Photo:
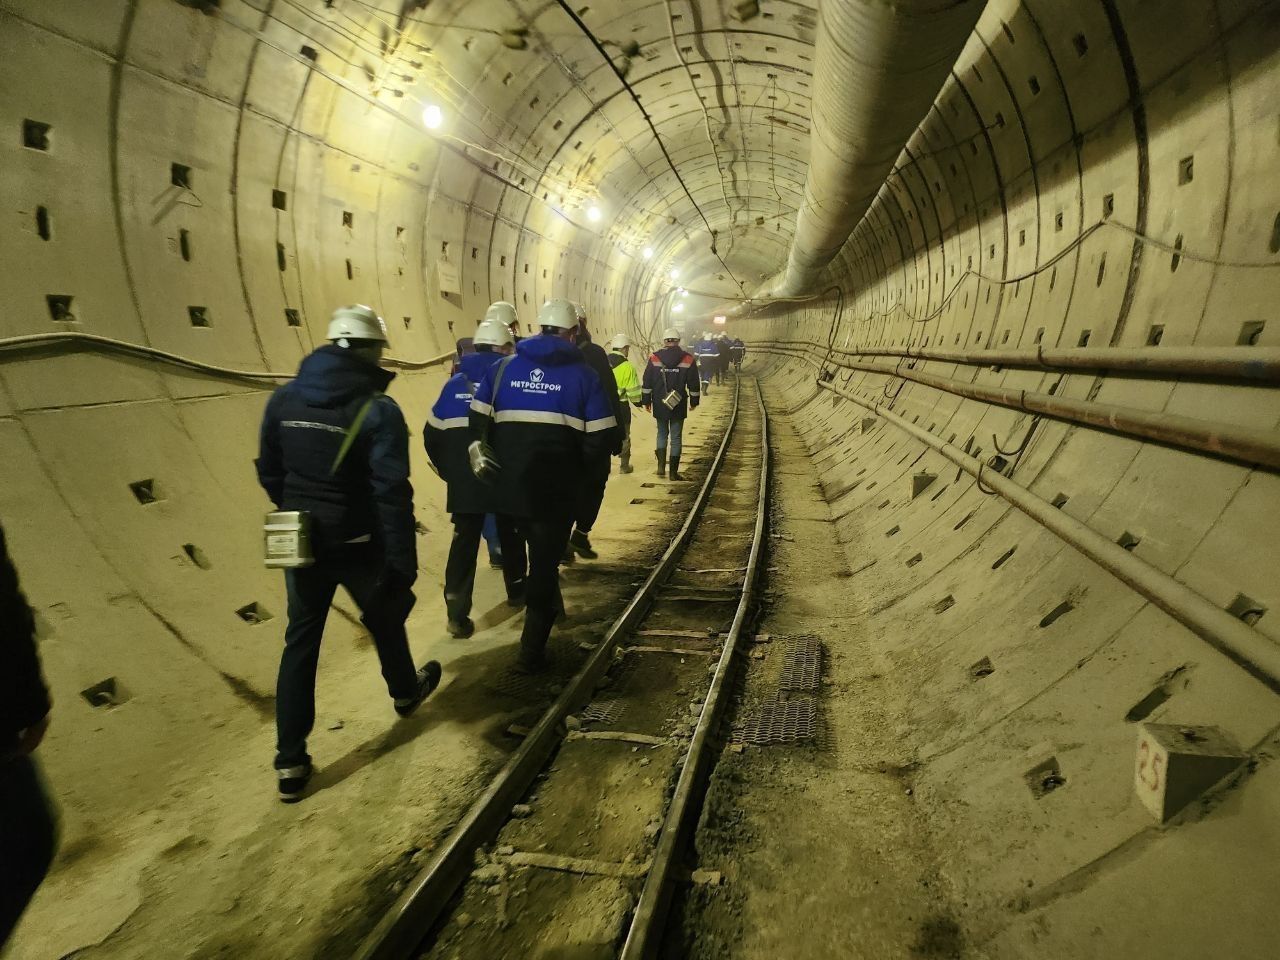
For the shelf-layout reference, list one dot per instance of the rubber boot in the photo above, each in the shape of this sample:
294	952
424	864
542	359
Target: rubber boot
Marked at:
662	462
675	469
533	641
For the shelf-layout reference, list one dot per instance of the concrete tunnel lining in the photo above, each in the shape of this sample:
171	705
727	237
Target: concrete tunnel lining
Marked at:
215	181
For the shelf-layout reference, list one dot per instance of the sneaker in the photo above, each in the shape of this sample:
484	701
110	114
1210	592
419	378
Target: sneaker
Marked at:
580	543
292	782
428	680
461	629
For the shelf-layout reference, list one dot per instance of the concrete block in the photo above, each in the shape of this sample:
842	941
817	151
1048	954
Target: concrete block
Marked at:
920	482
1175	765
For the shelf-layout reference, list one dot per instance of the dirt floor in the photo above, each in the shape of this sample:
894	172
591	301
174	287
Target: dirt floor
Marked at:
821	847
220	868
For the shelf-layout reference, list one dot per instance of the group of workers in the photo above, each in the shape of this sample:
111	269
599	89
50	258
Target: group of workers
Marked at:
523	434
715	353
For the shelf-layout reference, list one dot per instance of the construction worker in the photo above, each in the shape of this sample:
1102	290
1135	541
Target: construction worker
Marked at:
335	447
596	473
628	386
28	826
536	422
670	391
737	350
704	350
503	312
446	436
721	357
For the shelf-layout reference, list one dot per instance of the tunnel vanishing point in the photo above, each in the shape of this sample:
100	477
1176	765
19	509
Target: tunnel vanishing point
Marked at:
1008	272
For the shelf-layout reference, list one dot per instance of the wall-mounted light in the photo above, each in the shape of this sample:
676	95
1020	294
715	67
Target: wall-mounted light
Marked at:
593	213
674	273
432	117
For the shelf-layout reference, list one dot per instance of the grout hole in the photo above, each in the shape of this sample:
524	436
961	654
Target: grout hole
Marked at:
348	218
1250	333
1045	778
982	668
104	693
253	613
1128	540
180	175
199	316
1155	335
1059	501
1065	607
279	199
1084	338
43	227
408	322
1108	205
1186	170
892	530
916	559
1247	609
292	317
945	604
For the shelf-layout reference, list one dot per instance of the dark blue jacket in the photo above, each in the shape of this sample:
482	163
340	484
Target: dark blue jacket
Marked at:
448	434
667	370
369	496
545	418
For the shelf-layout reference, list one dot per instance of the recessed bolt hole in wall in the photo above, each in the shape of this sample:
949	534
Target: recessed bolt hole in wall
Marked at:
983	668
44	229
60	307
1247	609
35	135
104	693
1155	335
184	244
945	604
199	316
279	199
1000	560
145	491
1128	540
253	613
180	175
196	556
1059	500
292	317
1062	609
1251	333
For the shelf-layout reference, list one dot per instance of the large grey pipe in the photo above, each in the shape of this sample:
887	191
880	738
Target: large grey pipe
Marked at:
880	65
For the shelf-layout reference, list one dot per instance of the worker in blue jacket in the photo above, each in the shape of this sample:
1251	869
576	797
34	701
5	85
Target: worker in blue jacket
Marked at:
536	422
446	436
334	446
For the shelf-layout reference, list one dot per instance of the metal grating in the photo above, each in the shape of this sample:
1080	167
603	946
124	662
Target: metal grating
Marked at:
603	711
520	686
801	664
794	720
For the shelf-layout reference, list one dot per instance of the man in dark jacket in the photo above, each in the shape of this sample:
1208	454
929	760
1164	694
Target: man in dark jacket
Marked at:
534	429
737	349
722	357
334	446
447	436
596	476
670	389
28	830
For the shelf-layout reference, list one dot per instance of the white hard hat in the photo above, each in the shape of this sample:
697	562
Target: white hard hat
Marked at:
356	322
494	333
619	341
503	312
671	333
558	313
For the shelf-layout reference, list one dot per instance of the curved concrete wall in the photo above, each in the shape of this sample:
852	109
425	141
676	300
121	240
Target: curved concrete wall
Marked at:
1155	118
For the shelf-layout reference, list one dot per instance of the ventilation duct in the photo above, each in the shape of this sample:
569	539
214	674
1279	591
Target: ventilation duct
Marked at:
879	67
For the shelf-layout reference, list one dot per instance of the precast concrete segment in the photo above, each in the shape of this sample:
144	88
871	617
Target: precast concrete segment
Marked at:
1248	648
879	67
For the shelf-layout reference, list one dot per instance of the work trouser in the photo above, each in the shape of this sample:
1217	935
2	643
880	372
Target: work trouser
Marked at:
546	538
357	567
595	477
28	838
460	569
719	372
673	429
624	424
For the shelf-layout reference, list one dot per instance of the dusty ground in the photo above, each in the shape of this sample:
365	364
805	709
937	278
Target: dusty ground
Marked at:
823	851
220	868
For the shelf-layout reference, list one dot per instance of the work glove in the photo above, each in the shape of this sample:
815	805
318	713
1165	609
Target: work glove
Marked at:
483	462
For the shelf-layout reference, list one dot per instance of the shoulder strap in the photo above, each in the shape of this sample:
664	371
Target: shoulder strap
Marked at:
350	437
497	383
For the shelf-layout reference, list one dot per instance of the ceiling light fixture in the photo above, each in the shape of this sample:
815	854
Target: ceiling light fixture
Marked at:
648	253
432	117
593	213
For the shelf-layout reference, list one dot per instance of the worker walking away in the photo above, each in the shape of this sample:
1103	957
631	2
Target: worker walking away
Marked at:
670	390
536	421
722	357
737	349
335	448
446	436
596	469
704	350
503	312
28	827
628	387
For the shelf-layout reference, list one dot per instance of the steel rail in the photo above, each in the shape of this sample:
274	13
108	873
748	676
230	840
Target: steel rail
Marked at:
408	921
648	920
1245	444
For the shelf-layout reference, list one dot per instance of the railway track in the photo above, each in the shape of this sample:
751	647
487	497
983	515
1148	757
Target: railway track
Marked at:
574	848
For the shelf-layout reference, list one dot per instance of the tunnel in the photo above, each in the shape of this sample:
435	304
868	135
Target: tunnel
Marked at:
1005	275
